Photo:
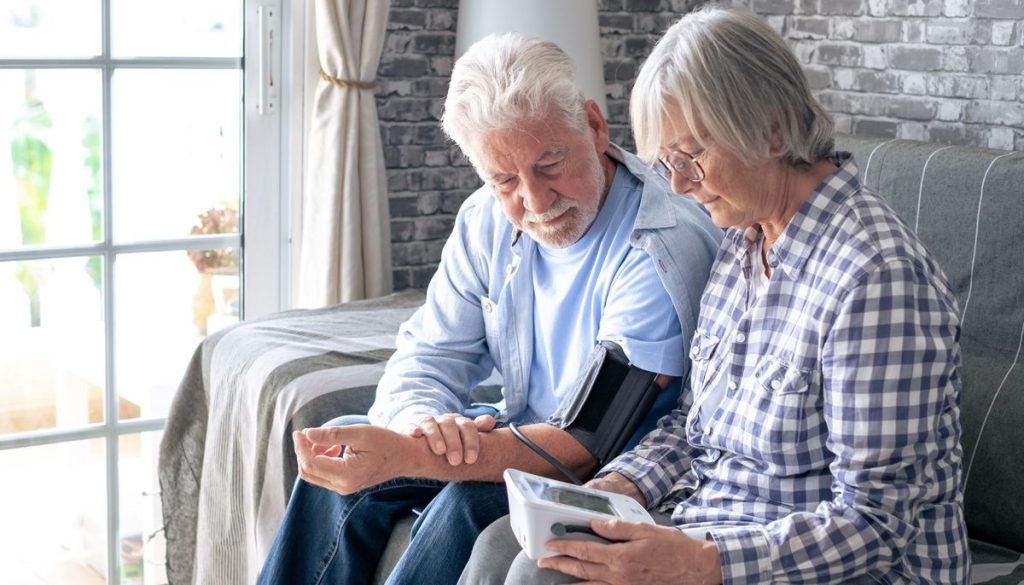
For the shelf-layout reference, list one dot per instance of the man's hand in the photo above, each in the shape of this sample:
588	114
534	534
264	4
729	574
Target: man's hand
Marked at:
453	435
619	484
371	455
642	554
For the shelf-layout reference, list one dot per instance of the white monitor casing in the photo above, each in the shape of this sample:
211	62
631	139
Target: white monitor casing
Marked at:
534	509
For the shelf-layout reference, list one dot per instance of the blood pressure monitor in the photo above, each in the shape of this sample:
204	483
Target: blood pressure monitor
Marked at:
541	509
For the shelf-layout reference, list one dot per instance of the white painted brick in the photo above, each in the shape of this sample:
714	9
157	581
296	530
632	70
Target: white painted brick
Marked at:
778	23
1002	33
874	57
879	7
956	8
804	50
1003	88
913	31
950	111
915	84
842	28
949	33
956	59
1008	114
843	123
1001	138
843	79
913	131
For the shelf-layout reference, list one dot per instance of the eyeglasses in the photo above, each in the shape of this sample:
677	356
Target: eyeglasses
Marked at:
682	163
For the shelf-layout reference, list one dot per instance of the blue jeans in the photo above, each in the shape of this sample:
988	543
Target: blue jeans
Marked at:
339	540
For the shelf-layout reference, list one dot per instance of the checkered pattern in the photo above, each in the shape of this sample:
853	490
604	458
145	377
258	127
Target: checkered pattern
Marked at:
835	450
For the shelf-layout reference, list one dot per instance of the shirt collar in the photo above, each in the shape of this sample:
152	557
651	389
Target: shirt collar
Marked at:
793	248
655	212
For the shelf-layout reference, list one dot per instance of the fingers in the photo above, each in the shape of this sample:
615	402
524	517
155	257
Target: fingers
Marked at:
619	530
432	433
455	436
484	423
452	433
586	570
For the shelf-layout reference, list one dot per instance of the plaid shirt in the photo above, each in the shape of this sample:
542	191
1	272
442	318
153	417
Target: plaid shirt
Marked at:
835	449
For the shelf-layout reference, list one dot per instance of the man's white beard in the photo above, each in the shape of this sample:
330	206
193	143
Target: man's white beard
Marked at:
576	221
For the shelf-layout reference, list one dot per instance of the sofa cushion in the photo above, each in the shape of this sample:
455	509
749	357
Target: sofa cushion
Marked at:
967	205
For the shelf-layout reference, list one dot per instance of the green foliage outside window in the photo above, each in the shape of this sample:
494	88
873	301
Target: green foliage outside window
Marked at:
32	162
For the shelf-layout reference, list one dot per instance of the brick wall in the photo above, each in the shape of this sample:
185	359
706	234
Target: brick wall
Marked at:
941	70
937	70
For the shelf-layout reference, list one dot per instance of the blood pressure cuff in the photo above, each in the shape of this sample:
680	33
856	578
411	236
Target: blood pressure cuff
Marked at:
611	398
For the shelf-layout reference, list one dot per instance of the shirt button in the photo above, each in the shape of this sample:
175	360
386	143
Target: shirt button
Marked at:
733	385
740	338
776	384
509	269
488	307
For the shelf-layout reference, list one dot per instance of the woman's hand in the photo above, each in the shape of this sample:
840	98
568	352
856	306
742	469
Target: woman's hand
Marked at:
641	554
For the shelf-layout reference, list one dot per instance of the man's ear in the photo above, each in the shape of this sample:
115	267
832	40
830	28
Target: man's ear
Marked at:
599	125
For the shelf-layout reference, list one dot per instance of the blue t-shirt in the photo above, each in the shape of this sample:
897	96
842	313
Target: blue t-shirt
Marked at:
600	288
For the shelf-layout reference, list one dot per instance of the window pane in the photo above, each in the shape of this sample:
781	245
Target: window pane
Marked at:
143	544
176	149
165	308
51	349
51	188
55	515
50	28
186	28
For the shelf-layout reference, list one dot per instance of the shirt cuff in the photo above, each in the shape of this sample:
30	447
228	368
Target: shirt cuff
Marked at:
639	471
401	420
745	554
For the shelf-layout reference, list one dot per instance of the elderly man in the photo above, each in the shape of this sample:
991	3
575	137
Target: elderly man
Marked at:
570	243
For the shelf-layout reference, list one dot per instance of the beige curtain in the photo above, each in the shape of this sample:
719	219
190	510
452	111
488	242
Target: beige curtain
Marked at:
346	236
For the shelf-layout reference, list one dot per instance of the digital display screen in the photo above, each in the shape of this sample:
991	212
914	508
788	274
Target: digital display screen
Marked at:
571	497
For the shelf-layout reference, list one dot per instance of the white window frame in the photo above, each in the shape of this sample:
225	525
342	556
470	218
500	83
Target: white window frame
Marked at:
270	146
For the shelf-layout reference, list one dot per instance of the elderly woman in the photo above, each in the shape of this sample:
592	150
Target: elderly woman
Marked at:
820	442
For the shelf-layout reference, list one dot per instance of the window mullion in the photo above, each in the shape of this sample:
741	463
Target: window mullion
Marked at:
110	410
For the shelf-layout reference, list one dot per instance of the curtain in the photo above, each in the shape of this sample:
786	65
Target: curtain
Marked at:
345	251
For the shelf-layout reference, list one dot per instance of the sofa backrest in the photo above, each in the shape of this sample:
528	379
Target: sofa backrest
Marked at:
967	206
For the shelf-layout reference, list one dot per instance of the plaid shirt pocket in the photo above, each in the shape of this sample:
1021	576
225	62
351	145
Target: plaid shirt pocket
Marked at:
771	409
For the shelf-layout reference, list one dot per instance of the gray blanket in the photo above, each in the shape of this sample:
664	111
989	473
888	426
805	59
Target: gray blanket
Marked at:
226	464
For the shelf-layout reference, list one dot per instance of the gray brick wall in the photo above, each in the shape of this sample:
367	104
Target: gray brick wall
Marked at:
942	70
937	70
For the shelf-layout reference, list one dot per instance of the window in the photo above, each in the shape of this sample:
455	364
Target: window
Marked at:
140	209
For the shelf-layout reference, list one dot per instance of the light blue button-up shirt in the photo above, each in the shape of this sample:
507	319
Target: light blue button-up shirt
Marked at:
479	310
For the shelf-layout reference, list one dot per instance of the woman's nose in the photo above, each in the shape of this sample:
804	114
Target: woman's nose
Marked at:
681	185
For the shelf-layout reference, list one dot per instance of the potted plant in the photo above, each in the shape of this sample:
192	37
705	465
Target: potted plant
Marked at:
218	268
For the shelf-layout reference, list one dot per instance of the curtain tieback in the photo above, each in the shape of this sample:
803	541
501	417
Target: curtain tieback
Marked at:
347	82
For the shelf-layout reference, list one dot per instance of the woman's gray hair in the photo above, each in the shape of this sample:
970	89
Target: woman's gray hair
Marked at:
504	79
735	83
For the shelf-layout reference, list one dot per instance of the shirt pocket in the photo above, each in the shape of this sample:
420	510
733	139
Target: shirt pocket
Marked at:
774	406
702	348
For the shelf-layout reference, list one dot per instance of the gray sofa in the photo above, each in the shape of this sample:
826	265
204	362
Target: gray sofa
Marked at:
225	471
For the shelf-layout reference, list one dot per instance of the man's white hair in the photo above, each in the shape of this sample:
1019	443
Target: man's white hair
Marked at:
503	79
735	83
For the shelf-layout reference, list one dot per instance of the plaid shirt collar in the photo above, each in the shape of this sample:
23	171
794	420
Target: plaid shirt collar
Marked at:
794	246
